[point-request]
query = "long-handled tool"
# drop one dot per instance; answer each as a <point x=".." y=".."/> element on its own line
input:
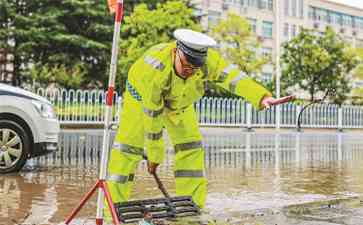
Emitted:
<point x="168" y="207"/>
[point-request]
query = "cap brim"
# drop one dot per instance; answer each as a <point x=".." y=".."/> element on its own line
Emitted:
<point x="195" y="61"/>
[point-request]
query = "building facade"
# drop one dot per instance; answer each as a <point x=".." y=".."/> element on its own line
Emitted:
<point x="294" y="15"/>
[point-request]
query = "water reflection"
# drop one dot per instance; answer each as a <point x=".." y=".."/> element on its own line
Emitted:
<point x="240" y="150"/>
<point x="250" y="171"/>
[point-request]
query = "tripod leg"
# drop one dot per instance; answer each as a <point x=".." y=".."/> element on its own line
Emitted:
<point x="81" y="204"/>
<point x="110" y="203"/>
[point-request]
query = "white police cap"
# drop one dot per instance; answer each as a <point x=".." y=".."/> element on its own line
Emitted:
<point x="193" y="39"/>
<point x="194" y="44"/>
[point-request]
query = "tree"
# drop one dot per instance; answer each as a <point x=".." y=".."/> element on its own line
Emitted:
<point x="239" y="45"/>
<point x="357" y="93"/>
<point x="54" y="33"/>
<point x="129" y="5"/>
<point x="145" y="28"/>
<point x="358" y="71"/>
<point x="59" y="75"/>
<point x="317" y="63"/>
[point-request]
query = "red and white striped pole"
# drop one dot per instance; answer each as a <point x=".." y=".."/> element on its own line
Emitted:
<point x="108" y="116"/>
<point x="101" y="184"/>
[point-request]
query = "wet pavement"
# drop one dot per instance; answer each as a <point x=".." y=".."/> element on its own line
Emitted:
<point x="254" y="178"/>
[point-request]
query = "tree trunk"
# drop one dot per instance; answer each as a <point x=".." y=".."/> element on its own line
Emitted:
<point x="15" y="78"/>
<point x="312" y="96"/>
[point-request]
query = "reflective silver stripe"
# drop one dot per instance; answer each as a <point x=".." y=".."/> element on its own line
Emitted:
<point x="188" y="146"/>
<point x="154" y="62"/>
<point x="188" y="173"/>
<point x="118" y="178"/>
<point x="154" y="136"/>
<point x="225" y="72"/>
<point x="158" y="47"/>
<point x="233" y="84"/>
<point x="128" y="148"/>
<point x="153" y="113"/>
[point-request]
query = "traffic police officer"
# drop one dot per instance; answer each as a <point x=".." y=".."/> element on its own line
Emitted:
<point x="161" y="88"/>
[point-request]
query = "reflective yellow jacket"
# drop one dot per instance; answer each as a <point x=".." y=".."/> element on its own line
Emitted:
<point x="161" y="91"/>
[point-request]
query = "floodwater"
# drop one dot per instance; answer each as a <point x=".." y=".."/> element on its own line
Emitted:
<point x="254" y="178"/>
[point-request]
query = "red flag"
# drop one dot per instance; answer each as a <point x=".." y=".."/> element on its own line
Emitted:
<point x="112" y="4"/>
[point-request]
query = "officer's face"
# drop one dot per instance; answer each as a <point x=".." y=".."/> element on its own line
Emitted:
<point x="186" y="69"/>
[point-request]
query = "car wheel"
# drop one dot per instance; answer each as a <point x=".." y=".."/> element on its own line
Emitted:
<point x="14" y="146"/>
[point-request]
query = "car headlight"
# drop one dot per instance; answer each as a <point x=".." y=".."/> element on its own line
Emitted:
<point x="44" y="109"/>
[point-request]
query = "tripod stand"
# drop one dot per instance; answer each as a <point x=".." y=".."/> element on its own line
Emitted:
<point x="101" y="183"/>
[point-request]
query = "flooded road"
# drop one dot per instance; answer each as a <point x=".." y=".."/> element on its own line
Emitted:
<point x="254" y="178"/>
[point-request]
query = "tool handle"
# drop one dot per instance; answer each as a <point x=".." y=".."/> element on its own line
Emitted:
<point x="161" y="186"/>
<point x="158" y="181"/>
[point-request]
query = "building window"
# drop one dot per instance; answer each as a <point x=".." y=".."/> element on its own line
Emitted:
<point x="311" y="13"/>
<point x="231" y="1"/>
<point x="347" y="20"/>
<point x="321" y="15"/>
<point x="270" y="5"/>
<point x="266" y="77"/>
<point x="213" y="17"/>
<point x="253" y="24"/>
<point x="267" y="52"/>
<point x="359" y="21"/>
<point x="326" y="17"/>
<point x="252" y="3"/>
<point x="262" y="4"/>
<point x="301" y="6"/>
<point x="293" y="5"/>
<point x="286" y="30"/>
<point x="336" y="18"/>
<point x="235" y="2"/>
<point x="267" y="29"/>
<point x="286" y="8"/>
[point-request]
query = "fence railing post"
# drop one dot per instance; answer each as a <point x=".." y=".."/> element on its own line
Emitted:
<point x="249" y="117"/>
<point x="118" y="110"/>
<point x="340" y="119"/>
<point x="77" y="106"/>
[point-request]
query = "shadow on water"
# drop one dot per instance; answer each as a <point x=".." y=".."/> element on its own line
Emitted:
<point x="254" y="178"/>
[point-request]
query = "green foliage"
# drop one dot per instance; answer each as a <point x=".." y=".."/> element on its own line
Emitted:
<point x="271" y="85"/>
<point x="357" y="96"/>
<point x="129" y="5"/>
<point x="48" y="32"/>
<point x="145" y="28"/>
<point x="316" y="63"/>
<point x="357" y="93"/>
<point x="239" y="45"/>
<point x="62" y="35"/>
<point x="358" y="71"/>
<point x="58" y="74"/>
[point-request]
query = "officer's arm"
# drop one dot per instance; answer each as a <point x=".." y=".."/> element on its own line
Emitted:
<point x="232" y="79"/>
<point x="153" y="105"/>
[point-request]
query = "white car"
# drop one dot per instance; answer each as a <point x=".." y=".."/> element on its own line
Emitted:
<point x="28" y="127"/>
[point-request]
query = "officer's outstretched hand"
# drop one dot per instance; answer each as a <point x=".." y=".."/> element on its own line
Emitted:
<point x="269" y="101"/>
<point x="151" y="167"/>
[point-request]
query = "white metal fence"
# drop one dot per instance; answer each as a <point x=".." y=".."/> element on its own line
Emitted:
<point x="87" y="107"/>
